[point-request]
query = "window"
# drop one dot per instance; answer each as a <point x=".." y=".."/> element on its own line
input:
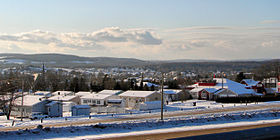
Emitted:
<point x="94" y="101"/>
<point x="98" y="102"/>
<point x="85" y="101"/>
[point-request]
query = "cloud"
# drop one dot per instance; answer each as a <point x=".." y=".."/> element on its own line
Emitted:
<point x="270" y="22"/>
<point x="85" y="41"/>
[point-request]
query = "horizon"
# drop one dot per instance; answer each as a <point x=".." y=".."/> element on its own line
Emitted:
<point x="145" y="30"/>
<point x="206" y="60"/>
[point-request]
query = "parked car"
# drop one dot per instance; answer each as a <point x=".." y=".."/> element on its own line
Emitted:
<point x="2" y="114"/>
<point x="37" y="115"/>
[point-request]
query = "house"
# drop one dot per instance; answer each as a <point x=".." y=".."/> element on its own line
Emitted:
<point x="67" y="98"/>
<point x="37" y="103"/>
<point x="31" y="103"/>
<point x="257" y="86"/>
<point x="133" y="98"/>
<point x="216" y="88"/>
<point x="175" y="95"/>
<point x="78" y="110"/>
<point x="195" y="92"/>
<point x="95" y="99"/>
<point x="54" y="109"/>
<point x="207" y="93"/>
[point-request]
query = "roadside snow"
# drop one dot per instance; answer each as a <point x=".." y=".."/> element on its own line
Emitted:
<point x="148" y="126"/>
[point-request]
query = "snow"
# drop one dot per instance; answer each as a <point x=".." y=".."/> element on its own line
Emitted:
<point x="131" y="93"/>
<point x="233" y="86"/>
<point x="110" y="92"/>
<point x="251" y="82"/>
<point x="145" y="126"/>
<point x="62" y="98"/>
<point x="29" y="100"/>
<point x="171" y="91"/>
<point x="96" y="96"/>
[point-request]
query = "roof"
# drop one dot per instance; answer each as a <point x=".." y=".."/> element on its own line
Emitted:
<point x="150" y="84"/>
<point x="62" y="92"/>
<point x="96" y="96"/>
<point x="211" y="90"/>
<point x="62" y="98"/>
<point x="133" y="93"/>
<point x="29" y="100"/>
<point x="251" y="82"/>
<point x="171" y="91"/>
<point x="233" y="86"/>
<point x="110" y="92"/>
<point x="52" y="103"/>
<point x="197" y="89"/>
<point x="83" y="93"/>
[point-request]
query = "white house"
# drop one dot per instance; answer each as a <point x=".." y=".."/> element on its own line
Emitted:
<point x="134" y="98"/>
<point x="174" y="95"/>
<point x="31" y="103"/>
<point x="95" y="99"/>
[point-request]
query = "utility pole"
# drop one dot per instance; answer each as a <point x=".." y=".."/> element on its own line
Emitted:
<point x="162" y="103"/>
<point x="22" y="86"/>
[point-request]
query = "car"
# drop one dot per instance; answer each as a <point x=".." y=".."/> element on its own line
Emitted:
<point x="38" y="115"/>
<point x="2" y="114"/>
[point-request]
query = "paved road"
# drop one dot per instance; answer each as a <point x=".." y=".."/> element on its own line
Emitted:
<point x="262" y="131"/>
<point x="150" y="116"/>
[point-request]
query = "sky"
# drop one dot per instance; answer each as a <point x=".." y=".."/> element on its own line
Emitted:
<point x="143" y="29"/>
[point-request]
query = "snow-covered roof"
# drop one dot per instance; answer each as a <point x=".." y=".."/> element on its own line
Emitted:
<point x="197" y="89"/>
<point x="250" y="82"/>
<point x="133" y="93"/>
<point x="29" y="100"/>
<point x="110" y="92"/>
<point x="62" y="98"/>
<point x="211" y="90"/>
<point x="96" y="96"/>
<point x="150" y="84"/>
<point x="84" y="93"/>
<point x="62" y="93"/>
<point x="171" y="91"/>
<point x="233" y="86"/>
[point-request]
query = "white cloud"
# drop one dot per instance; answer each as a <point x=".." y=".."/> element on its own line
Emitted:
<point x="180" y="43"/>
<point x="270" y="22"/>
<point x="85" y="41"/>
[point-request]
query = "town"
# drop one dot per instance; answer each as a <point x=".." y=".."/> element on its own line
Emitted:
<point x="59" y="92"/>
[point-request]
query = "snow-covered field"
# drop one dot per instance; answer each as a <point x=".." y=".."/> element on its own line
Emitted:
<point x="145" y="126"/>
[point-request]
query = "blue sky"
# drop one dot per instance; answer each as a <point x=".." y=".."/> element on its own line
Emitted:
<point x="144" y="29"/>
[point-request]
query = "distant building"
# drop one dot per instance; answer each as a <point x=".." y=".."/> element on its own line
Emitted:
<point x="134" y="98"/>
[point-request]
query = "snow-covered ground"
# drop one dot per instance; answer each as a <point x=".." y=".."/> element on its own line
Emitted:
<point x="145" y="126"/>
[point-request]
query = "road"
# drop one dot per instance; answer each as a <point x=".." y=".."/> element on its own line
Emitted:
<point x="150" y="116"/>
<point x="262" y="131"/>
